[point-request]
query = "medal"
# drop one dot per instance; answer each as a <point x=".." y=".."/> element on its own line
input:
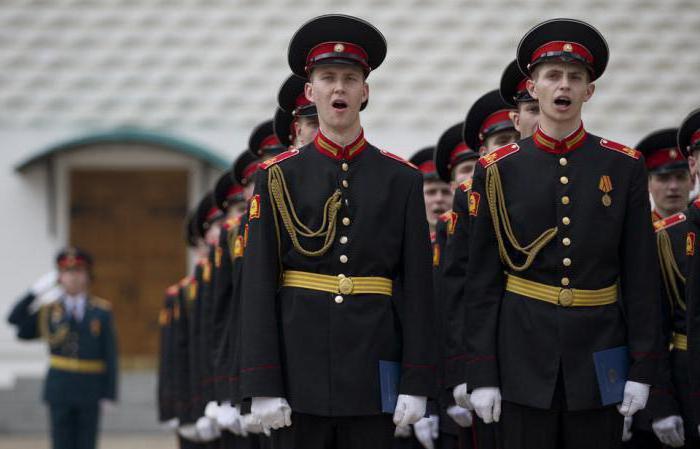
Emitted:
<point x="605" y="186"/>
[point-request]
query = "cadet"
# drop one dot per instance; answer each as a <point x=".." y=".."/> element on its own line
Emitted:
<point x="561" y="250"/>
<point x="334" y="230"/>
<point x="514" y="92"/>
<point x="689" y="141"/>
<point x="488" y="124"/>
<point x="669" y="185"/>
<point x="79" y="330"/>
<point x="296" y="119"/>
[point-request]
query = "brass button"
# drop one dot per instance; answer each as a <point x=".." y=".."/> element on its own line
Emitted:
<point x="343" y="259"/>
<point x="345" y="166"/>
<point x="346" y="221"/>
<point x="563" y="162"/>
<point x="564" y="180"/>
<point x="345" y="183"/>
<point x="339" y="299"/>
<point x="343" y="240"/>
<point x="566" y="297"/>
<point x="566" y="241"/>
<point x="565" y="200"/>
<point x="566" y="262"/>
<point x="565" y="282"/>
<point x="566" y="220"/>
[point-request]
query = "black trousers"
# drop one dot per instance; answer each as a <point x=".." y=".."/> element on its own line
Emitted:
<point x="323" y="432"/>
<point x="231" y="441"/>
<point x="530" y="428"/>
<point x="74" y="426"/>
<point x="642" y="439"/>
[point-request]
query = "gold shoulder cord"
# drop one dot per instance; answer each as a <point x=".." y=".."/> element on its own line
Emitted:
<point x="53" y="338"/>
<point x="499" y="214"/>
<point x="669" y="269"/>
<point x="232" y="236"/>
<point x="282" y="201"/>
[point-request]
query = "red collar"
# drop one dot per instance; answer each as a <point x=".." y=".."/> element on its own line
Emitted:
<point x="335" y="151"/>
<point x="550" y="145"/>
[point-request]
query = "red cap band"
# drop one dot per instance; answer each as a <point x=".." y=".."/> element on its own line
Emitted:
<point x="556" y="47"/>
<point x="662" y="157"/>
<point x="427" y="167"/>
<point x="522" y="85"/>
<point x="250" y="170"/>
<point x="71" y="262"/>
<point x="695" y="138"/>
<point x="213" y="213"/>
<point x="337" y="50"/>
<point x="234" y="190"/>
<point x="459" y="150"/>
<point x="494" y="119"/>
<point x="269" y="141"/>
<point x="301" y="101"/>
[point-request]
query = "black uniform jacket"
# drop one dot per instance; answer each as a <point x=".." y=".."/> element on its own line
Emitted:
<point x="693" y="305"/>
<point x="594" y="192"/>
<point x="322" y="350"/>
<point x="83" y="354"/>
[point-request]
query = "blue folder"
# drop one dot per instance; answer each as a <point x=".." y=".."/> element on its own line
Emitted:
<point x="389" y="378"/>
<point x="611" y="368"/>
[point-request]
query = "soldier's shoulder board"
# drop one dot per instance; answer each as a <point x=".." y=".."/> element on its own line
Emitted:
<point x="498" y="154"/>
<point x="446" y="216"/>
<point x="232" y="222"/>
<point x="466" y="185"/>
<point x="669" y="221"/>
<point x="398" y="158"/>
<point x="627" y="151"/>
<point x="450" y="217"/>
<point x="277" y="159"/>
<point x="100" y="303"/>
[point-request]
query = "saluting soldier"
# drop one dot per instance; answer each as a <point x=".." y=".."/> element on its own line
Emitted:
<point x="296" y="119"/>
<point x="689" y="140"/>
<point x="79" y="330"/>
<point x="514" y="91"/>
<point x="662" y="421"/>
<point x="333" y="227"/>
<point x="562" y="266"/>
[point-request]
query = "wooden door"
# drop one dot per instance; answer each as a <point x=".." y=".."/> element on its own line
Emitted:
<point x="131" y="221"/>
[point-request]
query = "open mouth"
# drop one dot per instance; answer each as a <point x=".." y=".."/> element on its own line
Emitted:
<point x="562" y="101"/>
<point x="339" y="105"/>
<point x="439" y="210"/>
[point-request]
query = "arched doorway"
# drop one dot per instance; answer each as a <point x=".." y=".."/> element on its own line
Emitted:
<point x="122" y="196"/>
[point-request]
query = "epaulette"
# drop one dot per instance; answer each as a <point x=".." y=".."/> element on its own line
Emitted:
<point x="627" y="151"/>
<point x="498" y="154"/>
<point x="669" y="221"/>
<point x="100" y="303"/>
<point x="277" y="159"/>
<point x="232" y="222"/>
<point x="398" y="158"/>
<point x="466" y="185"/>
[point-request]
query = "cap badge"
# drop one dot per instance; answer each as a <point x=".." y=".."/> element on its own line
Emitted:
<point x="339" y="48"/>
<point x="673" y="154"/>
<point x="568" y="47"/>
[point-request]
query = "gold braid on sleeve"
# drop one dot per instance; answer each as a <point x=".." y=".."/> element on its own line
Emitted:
<point x="499" y="217"/>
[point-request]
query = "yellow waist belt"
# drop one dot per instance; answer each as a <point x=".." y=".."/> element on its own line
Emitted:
<point x="680" y="342"/>
<point x="77" y="365"/>
<point x="340" y="284"/>
<point x="566" y="297"/>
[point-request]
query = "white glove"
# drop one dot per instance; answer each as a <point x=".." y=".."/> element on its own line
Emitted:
<point x="273" y="413"/>
<point x="427" y="430"/>
<point x="460" y="415"/>
<point x="189" y="432"/>
<point x="211" y="410"/>
<point x="627" y="429"/>
<point x="170" y="424"/>
<point x="669" y="430"/>
<point x="635" y="398"/>
<point x="207" y="429"/>
<point x="402" y="432"/>
<point x="409" y="409"/>
<point x="44" y="283"/>
<point x="462" y="397"/>
<point x="487" y="403"/>
<point x="227" y="417"/>
<point x="250" y="424"/>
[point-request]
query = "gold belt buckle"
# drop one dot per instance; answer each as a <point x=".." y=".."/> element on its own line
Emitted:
<point x="566" y="297"/>
<point x="345" y="285"/>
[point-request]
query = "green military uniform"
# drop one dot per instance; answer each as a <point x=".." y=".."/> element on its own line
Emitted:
<point x="83" y="359"/>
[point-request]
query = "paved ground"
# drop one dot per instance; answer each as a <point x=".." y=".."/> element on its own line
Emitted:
<point x="107" y="441"/>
